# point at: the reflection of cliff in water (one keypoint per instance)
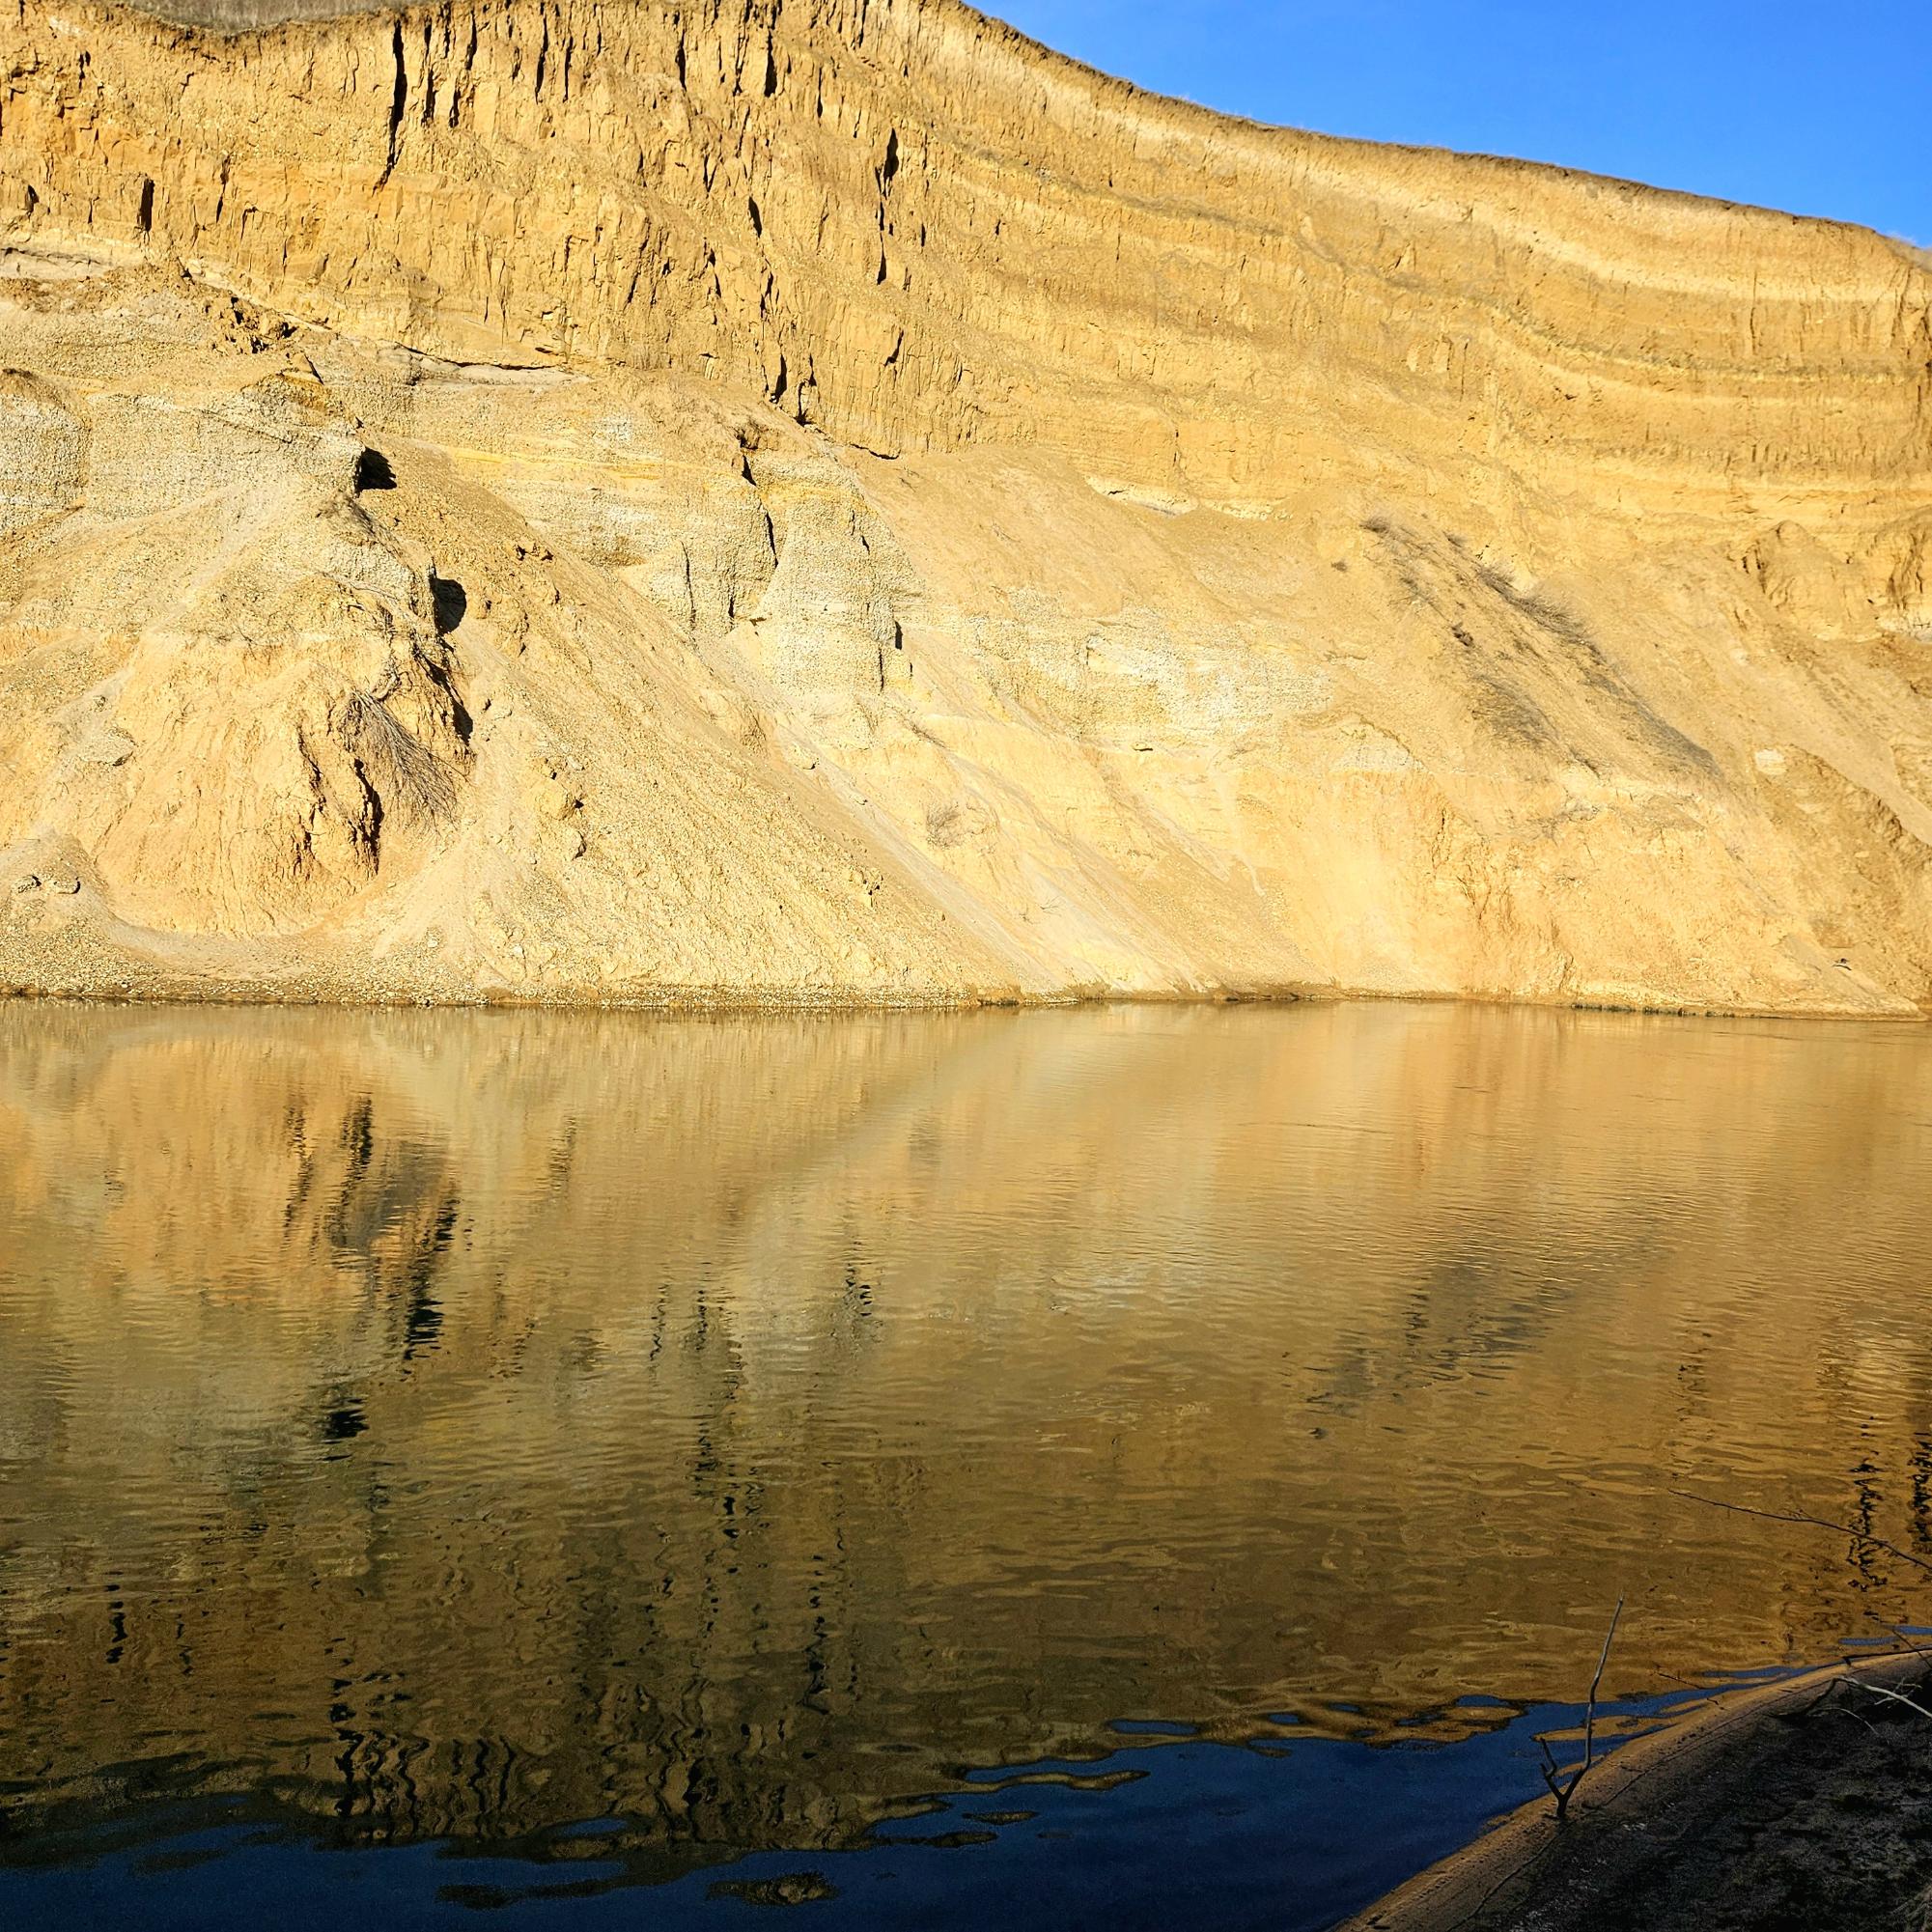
(465, 1424)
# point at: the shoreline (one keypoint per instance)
(733, 1003)
(1504, 1877)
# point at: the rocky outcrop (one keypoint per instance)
(824, 499)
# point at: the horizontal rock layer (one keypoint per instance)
(786, 500)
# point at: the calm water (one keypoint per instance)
(1059, 1468)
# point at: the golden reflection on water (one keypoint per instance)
(467, 1424)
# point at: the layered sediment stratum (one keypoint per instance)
(825, 499)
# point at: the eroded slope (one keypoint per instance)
(828, 501)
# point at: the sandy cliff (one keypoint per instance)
(821, 498)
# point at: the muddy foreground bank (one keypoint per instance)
(1801, 1803)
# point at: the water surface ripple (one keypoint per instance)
(627, 1463)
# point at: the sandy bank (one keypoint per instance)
(1794, 1804)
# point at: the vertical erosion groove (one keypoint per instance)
(399, 100)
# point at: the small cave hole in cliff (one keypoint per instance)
(450, 602)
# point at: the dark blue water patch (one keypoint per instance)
(591, 1828)
(1291, 1835)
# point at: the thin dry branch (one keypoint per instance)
(1848, 1530)
(1560, 1790)
(1891, 1697)
(1904, 1636)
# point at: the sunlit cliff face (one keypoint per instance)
(468, 1426)
(826, 502)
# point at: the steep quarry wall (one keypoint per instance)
(786, 500)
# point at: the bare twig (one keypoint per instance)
(1848, 1530)
(1859, 1717)
(1823, 1698)
(1839, 1706)
(1904, 1636)
(1596, 1688)
(1891, 1697)
(1702, 1690)
(1560, 1789)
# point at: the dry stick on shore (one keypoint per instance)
(1880, 1691)
(1560, 1790)
(1857, 1535)
(1904, 1636)
(1850, 1530)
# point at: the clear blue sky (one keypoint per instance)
(1820, 108)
